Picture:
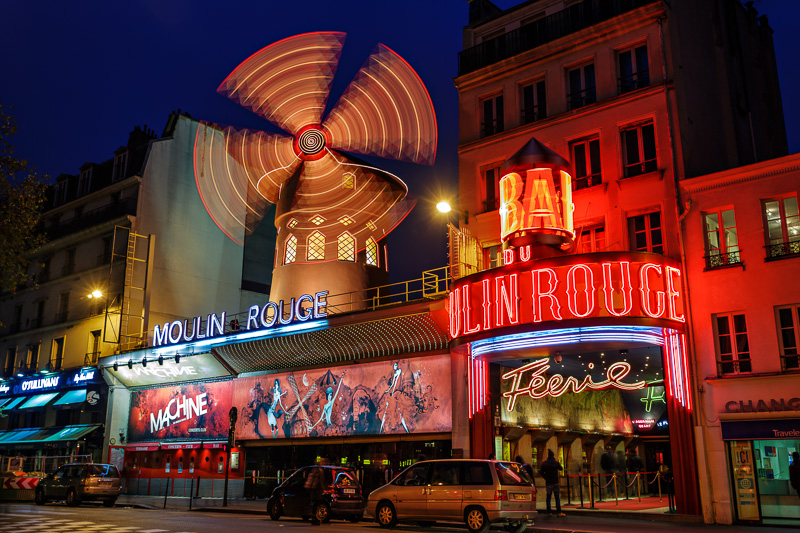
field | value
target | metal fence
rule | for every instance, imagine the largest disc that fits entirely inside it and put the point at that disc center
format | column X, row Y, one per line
column 39, row 464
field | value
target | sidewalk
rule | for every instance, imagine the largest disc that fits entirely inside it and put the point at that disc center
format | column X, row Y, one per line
column 576, row 521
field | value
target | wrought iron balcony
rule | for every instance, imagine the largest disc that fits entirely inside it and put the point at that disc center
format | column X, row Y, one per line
column 784, row 249
column 634, row 81
column 585, row 182
column 573, row 19
column 718, row 260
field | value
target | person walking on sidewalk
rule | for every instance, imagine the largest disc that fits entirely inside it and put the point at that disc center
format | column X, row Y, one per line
column 794, row 472
column 549, row 471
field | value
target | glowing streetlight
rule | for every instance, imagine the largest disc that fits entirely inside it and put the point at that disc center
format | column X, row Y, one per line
column 443, row 207
column 95, row 294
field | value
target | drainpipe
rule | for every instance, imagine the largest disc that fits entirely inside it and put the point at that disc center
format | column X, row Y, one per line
column 699, row 405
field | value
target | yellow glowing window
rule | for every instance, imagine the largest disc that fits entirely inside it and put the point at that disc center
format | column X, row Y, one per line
column 292, row 223
column 316, row 246
column 371, row 225
column 372, row 252
column 347, row 247
column 318, row 219
column 346, row 220
column 290, row 253
column 349, row 181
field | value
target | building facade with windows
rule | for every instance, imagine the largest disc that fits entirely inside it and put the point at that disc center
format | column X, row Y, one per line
column 742, row 233
column 638, row 96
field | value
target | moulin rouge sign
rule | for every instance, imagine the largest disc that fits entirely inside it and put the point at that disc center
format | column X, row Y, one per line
column 605, row 285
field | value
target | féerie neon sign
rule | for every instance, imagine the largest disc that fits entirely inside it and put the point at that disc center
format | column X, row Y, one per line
column 555, row 385
column 604, row 285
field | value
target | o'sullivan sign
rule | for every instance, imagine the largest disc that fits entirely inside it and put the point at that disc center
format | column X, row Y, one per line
column 613, row 285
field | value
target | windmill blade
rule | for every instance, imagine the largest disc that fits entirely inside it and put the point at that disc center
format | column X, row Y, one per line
column 336, row 199
column 238, row 172
column 288, row 82
column 386, row 111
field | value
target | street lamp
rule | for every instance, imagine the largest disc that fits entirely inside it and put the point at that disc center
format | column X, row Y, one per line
column 95, row 294
column 443, row 207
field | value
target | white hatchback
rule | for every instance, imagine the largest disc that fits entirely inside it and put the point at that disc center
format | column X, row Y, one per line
column 474, row 491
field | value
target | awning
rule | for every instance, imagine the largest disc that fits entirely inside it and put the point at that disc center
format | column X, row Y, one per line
column 180, row 445
column 40, row 400
column 142, row 447
column 13, row 402
column 51, row 434
column 71, row 397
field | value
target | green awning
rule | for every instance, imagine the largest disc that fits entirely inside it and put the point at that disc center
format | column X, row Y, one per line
column 40, row 400
column 71, row 397
column 34, row 435
column 12, row 402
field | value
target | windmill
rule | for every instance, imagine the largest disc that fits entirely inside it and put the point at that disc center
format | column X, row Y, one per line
column 332, row 210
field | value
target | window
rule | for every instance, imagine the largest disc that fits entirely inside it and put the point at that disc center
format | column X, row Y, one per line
column 534, row 102
column 591, row 240
column 349, row 181
column 33, row 356
column 782, row 226
column 733, row 348
column 490, row 184
column 789, row 336
column 57, row 354
column 582, row 89
column 634, row 72
column 60, row 195
column 586, row 163
column 11, row 354
column 372, row 252
column 44, row 274
column 105, row 256
column 446, row 473
column 316, row 246
column 69, row 263
column 63, row 307
column 39, row 321
column 120, row 166
column 17, row 324
column 347, row 247
column 722, row 244
column 645, row 233
column 290, row 251
column 477, row 473
column 493, row 256
column 94, row 348
column 492, row 118
column 639, row 150
column 84, row 181
column 414, row 476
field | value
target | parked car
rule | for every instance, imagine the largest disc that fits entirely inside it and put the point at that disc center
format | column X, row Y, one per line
column 474, row 491
column 77, row 482
column 337, row 495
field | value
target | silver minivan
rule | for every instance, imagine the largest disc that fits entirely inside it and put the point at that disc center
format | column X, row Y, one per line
column 474, row 491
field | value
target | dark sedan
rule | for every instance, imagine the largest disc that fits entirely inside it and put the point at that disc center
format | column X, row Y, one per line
column 318, row 493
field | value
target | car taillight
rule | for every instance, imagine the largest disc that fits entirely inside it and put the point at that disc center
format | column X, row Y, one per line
column 501, row 495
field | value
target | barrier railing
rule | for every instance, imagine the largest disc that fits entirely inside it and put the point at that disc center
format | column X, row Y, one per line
column 612, row 484
column 39, row 464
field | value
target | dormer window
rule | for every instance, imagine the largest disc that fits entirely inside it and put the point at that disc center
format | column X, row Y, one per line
column 85, row 181
column 61, row 193
column 120, row 166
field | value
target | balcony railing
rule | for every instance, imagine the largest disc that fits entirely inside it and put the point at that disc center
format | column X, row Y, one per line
column 585, row 182
column 582, row 98
column 641, row 167
column 781, row 250
column 736, row 366
column 126, row 206
column 790, row 362
column 91, row 358
column 573, row 19
column 490, row 127
column 718, row 260
column 634, row 81
column 532, row 114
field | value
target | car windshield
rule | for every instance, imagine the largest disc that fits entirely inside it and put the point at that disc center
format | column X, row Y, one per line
column 512, row 474
column 103, row 470
column 345, row 478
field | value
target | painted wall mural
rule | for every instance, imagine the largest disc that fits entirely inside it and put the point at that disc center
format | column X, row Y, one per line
column 590, row 410
column 390, row 397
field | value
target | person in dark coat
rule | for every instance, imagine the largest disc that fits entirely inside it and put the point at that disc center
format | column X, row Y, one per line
column 794, row 472
column 608, row 462
column 525, row 466
column 550, row 472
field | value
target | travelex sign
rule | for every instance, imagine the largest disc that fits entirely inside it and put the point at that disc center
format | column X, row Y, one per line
column 605, row 285
column 271, row 314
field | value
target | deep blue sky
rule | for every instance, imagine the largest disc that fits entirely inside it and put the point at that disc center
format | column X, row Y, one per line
column 81, row 74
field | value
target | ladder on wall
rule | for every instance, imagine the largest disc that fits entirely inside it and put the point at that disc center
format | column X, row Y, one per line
column 127, row 284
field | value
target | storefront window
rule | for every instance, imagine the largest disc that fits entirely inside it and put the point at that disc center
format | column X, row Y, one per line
column 772, row 460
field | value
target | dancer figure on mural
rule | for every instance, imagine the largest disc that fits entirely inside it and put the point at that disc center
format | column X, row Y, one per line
column 273, row 413
column 396, row 400
column 328, row 407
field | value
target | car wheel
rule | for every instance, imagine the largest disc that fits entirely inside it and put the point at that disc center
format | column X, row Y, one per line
column 274, row 510
column 322, row 512
column 72, row 498
column 385, row 515
column 476, row 520
column 516, row 528
column 39, row 497
column 110, row 502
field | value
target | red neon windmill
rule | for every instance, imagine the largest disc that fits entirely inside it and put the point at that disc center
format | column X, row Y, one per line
column 330, row 206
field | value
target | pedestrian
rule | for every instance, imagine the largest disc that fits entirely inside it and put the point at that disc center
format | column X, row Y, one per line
column 549, row 471
column 608, row 462
column 525, row 466
column 313, row 486
column 491, row 456
column 794, row 472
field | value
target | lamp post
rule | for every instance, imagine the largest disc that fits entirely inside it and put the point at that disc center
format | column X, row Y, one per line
column 233, row 415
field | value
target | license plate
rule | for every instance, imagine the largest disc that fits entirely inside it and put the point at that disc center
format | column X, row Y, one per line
column 518, row 496
column 349, row 491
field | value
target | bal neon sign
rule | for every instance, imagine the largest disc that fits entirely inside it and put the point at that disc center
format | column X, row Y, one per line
column 567, row 288
column 540, row 386
column 271, row 314
column 534, row 204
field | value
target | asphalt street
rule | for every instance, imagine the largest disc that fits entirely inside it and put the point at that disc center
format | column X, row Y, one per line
column 58, row 518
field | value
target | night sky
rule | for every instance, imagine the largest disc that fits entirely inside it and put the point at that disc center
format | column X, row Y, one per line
column 81, row 75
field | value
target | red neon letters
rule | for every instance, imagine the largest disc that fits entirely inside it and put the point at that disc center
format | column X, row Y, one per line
column 542, row 291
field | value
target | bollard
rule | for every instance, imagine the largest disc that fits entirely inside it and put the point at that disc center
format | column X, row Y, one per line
column 658, row 478
column 569, row 491
column 616, row 495
column 591, row 491
column 626, row 485
column 639, row 487
column 166, row 492
column 580, row 490
column 599, row 489
column 191, row 492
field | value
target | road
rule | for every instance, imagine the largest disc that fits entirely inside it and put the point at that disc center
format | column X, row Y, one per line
column 88, row 518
